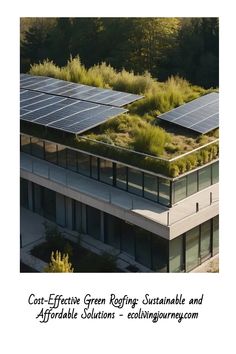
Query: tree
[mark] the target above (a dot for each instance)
(197, 56)
(35, 43)
(188, 47)
(59, 264)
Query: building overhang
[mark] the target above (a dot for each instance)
(165, 222)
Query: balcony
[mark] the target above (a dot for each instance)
(167, 222)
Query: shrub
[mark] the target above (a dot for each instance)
(188, 165)
(199, 159)
(202, 139)
(68, 249)
(104, 138)
(192, 160)
(215, 151)
(54, 237)
(47, 68)
(59, 264)
(181, 165)
(205, 156)
(159, 97)
(171, 149)
(106, 263)
(150, 140)
(106, 73)
(174, 171)
(123, 124)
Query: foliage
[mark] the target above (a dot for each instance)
(150, 140)
(103, 263)
(127, 156)
(162, 46)
(123, 124)
(159, 97)
(82, 259)
(202, 139)
(174, 171)
(54, 237)
(59, 264)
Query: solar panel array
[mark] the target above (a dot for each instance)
(67, 106)
(77, 91)
(70, 115)
(200, 115)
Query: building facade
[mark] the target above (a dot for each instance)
(157, 249)
(164, 223)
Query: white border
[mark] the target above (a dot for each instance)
(214, 331)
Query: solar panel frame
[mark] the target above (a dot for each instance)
(196, 115)
(65, 114)
(44, 84)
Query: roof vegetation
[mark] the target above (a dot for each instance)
(140, 130)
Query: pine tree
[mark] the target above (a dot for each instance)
(59, 264)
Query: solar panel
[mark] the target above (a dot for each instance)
(77, 91)
(62, 113)
(200, 115)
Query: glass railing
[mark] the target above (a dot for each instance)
(149, 185)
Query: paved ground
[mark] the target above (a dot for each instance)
(32, 233)
(210, 266)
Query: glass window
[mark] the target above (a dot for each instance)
(121, 176)
(176, 254)
(150, 187)
(159, 254)
(204, 176)
(94, 167)
(25, 144)
(192, 183)
(128, 239)
(164, 191)
(61, 209)
(215, 172)
(106, 171)
(215, 243)
(37, 148)
(143, 247)
(83, 163)
(77, 216)
(192, 248)
(37, 199)
(112, 230)
(93, 222)
(135, 181)
(49, 204)
(206, 240)
(179, 189)
(61, 153)
(51, 152)
(72, 160)
(24, 193)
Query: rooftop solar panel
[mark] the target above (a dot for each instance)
(62, 113)
(78, 91)
(200, 115)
